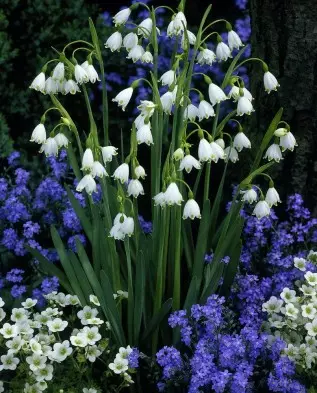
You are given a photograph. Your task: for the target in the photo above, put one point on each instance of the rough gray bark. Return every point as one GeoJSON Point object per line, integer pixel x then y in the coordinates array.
{"type": "Point", "coordinates": [284, 34]}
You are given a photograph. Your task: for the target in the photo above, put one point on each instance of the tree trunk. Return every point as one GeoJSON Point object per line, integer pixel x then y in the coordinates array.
{"type": "Point", "coordinates": [284, 34]}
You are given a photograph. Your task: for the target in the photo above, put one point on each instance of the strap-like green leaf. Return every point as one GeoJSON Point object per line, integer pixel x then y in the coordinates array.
{"type": "Point", "coordinates": [139, 295]}
{"type": "Point", "coordinates": [157, 319]}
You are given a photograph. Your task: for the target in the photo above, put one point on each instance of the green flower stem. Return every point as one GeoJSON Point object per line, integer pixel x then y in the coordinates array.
{"type": "Point", "coordinates": [130, 292]}
{"type": "Point", "coordinates": [165, 6]}
{"type": "Point", "coordinates": [208, 36]}
{"type": "Point", "coordinates": [250, 59]}
{"type": "Point", "coordinates": [177, 258]}
{"type": "Point", "coordinates": [213, 23]}
{"type": "Point", "coordinates": [207, 181]}
{"type": "Point", "coordinates": [93, 127]}
{"type": "Point", "coordinates": [77, 42]}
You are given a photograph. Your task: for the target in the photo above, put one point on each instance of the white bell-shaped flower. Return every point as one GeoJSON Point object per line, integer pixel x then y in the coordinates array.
{"type": "Point", "coordinates": [136, 53]}
{"type": "Point", "coordinates": [98, 170]}
{"type": "Point", "coordinates": [216, 95]}
{"type": "Point", "coordinates": [59, 72]}
{"type": "Point", "coordinates": [114, 42]}
{"type": "Point", "coordinates": [217, 152]}
{"type": "Point", "coordinates": [122, 16]}
{"type": "Point", "coordinates": [135, 188]}
{"type": "Point", "coordinates": [88, 183]}
{"type": "Point", "coordinates": [288, 142]}
{"type": "Point", "coordinates": [249, 196]}
{"type": "Point", "coordinates": [172, 195]}
{"type": "Point", "coordinates": [280, 132]}
{"type": "Point", "coordinates": [234, 93]}
{"type": "Point", "coordinates": [80, 74]}
{"type": "Point", "coordinates": [204, 150]}
{"type": "Point", "coordinates": [145, 27]}
{"type": "Point", "coordinates": [147, 57]}
{"type": "Point", "coordinates": [147, 108]}
{"type": "Point", "coordinates": [261, 209]}
{"type": "Point", "coordinates": [206, 56]}
{"type": "Point", "coordinates": [124, 97]}
{"type": "Point", "coordinates": [270, 82]}
{"type": "Point", "coordinates": [241, 141]}
{"type": "Point", "coordinates": [71, 87]}
{"type": "Point", "coordinates": [205, 110]}
{"type": "Point", "coordinates": [39, 134]}
{"type": "Point", "coordinates": [170, 29]}
{"type": "Point", "coordinates": [116, 232]}
{"type": "Point", "coordinates": [244, 106]}
{"type": "Point", "coordinates": [223, 51]}
{"type": "Point", "coordinates": [191, 210]}
{"type": "Point", "coordinates": [234, 41]}
{"type": "Point", "coordinates": [178, 154]}
{"type": "Point", "coordinates": [139, 121]}
{"type": "Point", "coordinates": [119, 218]}
{"type": "Point", "coordinates": [188, 163]}
{"type": "Point", "coordinates": [247, 94]}
{"type": "Point", "coordinates": [51, 86]}
{"type": "Point", "coordinates": [87, 161]}
{"type": "Point", "coordinates": [122, 173]}
{"type": "Point", "coordinates": [168, 78]}
{"type": "Point", "coordinates": [144, 135]}
{"type": "Point", "coordinates": [191, 39]}
{"type": "Point", "coordinates": [130, 41]}
{"type": "Point", "coordinates": [179, 23]}
{"type": "Point", "coordinates": [61, 86]}
{"type": "Point", "coordinates": [139, 172]}
{"type": "Point", "coordinates": [274, 153]}
{"type": "Point", "coordinates": [127, 227]}
{"type": "Point", "coordinates": [108, 152]}
{"type": "Point", "coordinates": [231, 154]}
{"type": "Point", "coordinates": [38, 83]}
{"type": "Point", "coordinates": [167, 101]}
{"type": "Point", "coordinates": [272, 197]}
{"type": "Point", "coordinates": [91, 72]}
{"type": "Point", "coordinates": [221, 143]}
{"type": "Point", "coordinates": [191, 112]}
{"type": "Point", "coordinates": [49, 147]}
{"type": "Point", "coordinates": [159, 199]}
{"type": "Point", "coordinates": [61, 140]}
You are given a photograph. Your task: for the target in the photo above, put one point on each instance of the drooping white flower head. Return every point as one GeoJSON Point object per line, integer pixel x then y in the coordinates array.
{"type": "Point", "coordinates": [136, 53]}
{"type": "Point", "coordinates": [139, 121]}
{"type": "Point", "coordinates": [49, 147]}
{"type": "Point", "coordinates": [140, 172]}
{"type": "Point", "coordinates": [144, 135]}
{"type": "Point", "coordinates": [172, 195]}
{"type": "Point", "coordinates": [231, 154]}
{"type": "Point", "coordinates": [188, 163]}
{"type": "Point", "coordinates": [108, 152]}
{"type": "Point", "coordinates": [178, 154]}
{"type": "Point", "coordinates": [178, 23]}
{"type": "Point", "coordinates": [274, 153]}
{"type": "Point", "coordinates": [234, 41]}
{"type": "Point", "coordinates": [206, 56]}
{"type": "Point", "coordinates": [127, 227]}
{"type": "Point", "coordinates": [122, 173]}
{"type": "Point", "coordinates": [205, 110]}
{"type": "Point", "coordinates": [234, 93]}
{"type": "Point", "coordinates": [71, 87]}
{"type": "Point", "coordinates": [288, 142]}
{"type": "Point", "coordinates": [217, 152]}
{"type": "Point", "coordinates": [204, 150]}
{"type": "Point", "coordinates": [216, 95]}
{"type": "Point", "coordinates": [261, 209]}
{"type": "Point", "coordinates": [191, 39]}
{"type": "Point", "coordinates": [61, 140]}
{"type": "Point", "coordinates": [249, 196]}
{"type": "Point", "coordinates": [38, 83]}
{"type": "Point", "coordinates": [223, 51]}
{"type": "Point", "coordinates": [88, 183]}
{"type": "Point", "coordinates": [191, 112]}
{"type": "Point", "coordinates": [167, 100]}
{"type": "Point", "coordinates": [241, 141]}
{"type": "Point", "coordinates": [168, 78]}
{"type": "Point", "coordinates": [191, 210]}
{"type": "Point", "coordinates": [38, 134]}
{"type": "Point", "coordinates": [145, 27]}
{"type": "Point", "coordinates": [247, 94]}
{"type": "Point", "coordinates": [59, 72]}
{"type": "Point", "coordinates": [280, 132]}
{"type": "Point", "coordinates": [135, 188]}
{"type": "Point", "coordinates": [159, 199]}
{"type": "Point", "coordinates": [130, 41]}
{"type": "Point", "coordinates": [244, 106]}
{"type": "Point", "coordinates": [91, 72]}
{"type": "Point", "coordinates": [124, 97]}
{"type": "Point", "coordinates": [119, 218]}
{"type": "Point", "coordinates": [98, 170]}
{"type": "Point", "coordinates": [116, 232]}
{"type": "Point", "coordinates": [272, 197]}
{"type": "Point", "coordinates": [80, 74]}
{"type": "Point", "coordinates": [147, 57]}
{"type": "Point", "coordinates": [114, 42]}
{"type": "Point", "coordinates": [220, 142]}
{"type": "Point", "coordinates": [170, 29]}
{"type": "Point", "coordinates": [51, 86]}
{"type": "Point", "coordinates": [270, 82]}
{"type": "Point", "coordinates": [147, 108]}
{"type": "Point", "coordinates": [88, 160]}
{"type": "Point", "coordinates": [122, 16]}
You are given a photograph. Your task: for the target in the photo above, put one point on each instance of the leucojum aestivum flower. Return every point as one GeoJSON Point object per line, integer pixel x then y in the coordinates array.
{"type": "Point", "coordinates": [186, 141]}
